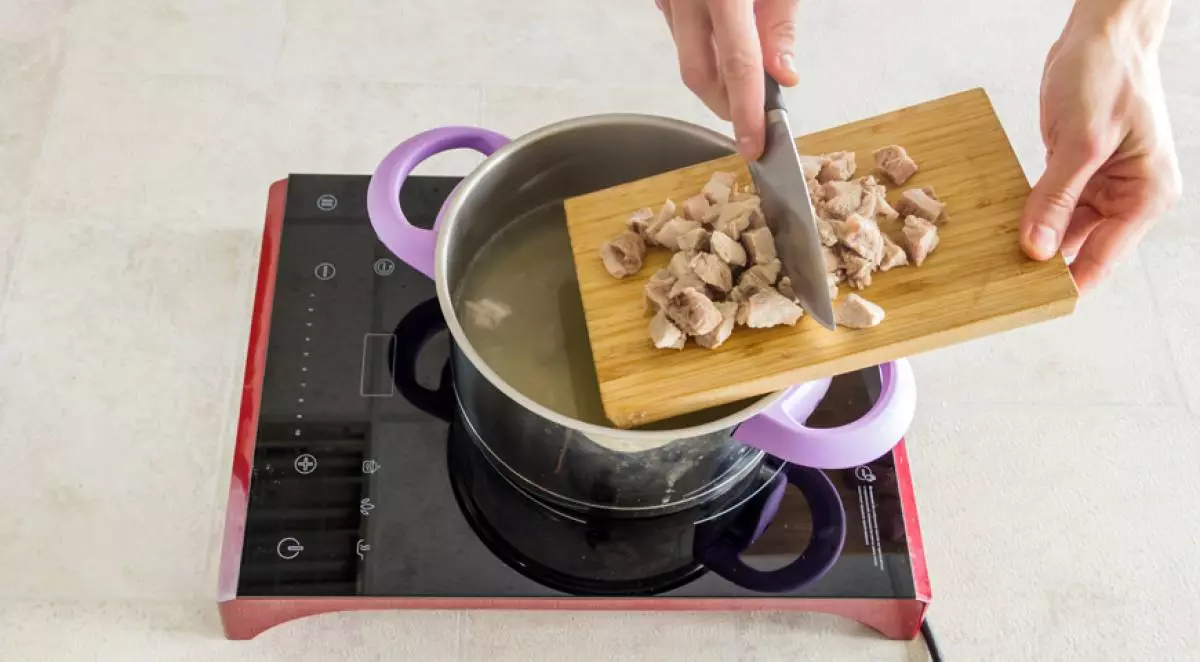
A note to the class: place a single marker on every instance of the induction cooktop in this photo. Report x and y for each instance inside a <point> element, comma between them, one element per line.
<point>346,495</point>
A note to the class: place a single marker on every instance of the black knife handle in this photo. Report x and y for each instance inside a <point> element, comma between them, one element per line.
<point>774,96</point>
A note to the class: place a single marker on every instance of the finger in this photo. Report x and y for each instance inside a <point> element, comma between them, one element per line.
<point>693,30</point>
<point>1054,198</point>
<point>739,56</point>
<point>1103,249</point>
<point>1083,221</point>
<point>777,32</point>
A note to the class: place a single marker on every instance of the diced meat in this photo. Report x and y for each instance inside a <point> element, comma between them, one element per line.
<point>893,255</point>
<point>713,271</point>
<point>919,238</point>
<point>664,334</point>
<point>765,274</point>
<point>719,187</point>
<point>689,281</point>
<point>895,164</point>
<point>785,288</point>
<point>664,215</point>
<point>668,236</point>
<point>858,270</point>
<point>623,255</point>
<point>717,337</point>
<point>767,308</point>
<point>815,191</point>
<point>757,218</point>
<point>842,198</point>
<point>487,313</point>
<point>833,281</point>
<point>730,251</point>
<point>811,165</point>
<point>921,203</point>
<point>882,206</point>
<point>857,313</point>
<point>833,261</point>
<point>693,312</point>
<point>760,245</point>
<point>657,291</point>
<point>861,236</point>
<point>695,207</point>
<point>826,232</point>
<point>736,208</point>
<point>680,264</point>
<point>694,241</point>
<point>640,220</point>
<point>838,166</point>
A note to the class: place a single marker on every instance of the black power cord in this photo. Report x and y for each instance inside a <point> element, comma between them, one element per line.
<point>930,642</point>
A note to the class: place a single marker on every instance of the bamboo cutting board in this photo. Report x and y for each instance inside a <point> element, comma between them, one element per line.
<point>977,282</point>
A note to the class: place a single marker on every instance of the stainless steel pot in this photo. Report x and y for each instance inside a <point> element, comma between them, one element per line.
<point>573,463</point>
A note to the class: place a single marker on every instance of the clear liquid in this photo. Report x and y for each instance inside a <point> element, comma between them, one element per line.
<point>541,348</point>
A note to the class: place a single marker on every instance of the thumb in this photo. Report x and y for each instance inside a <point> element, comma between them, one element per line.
<point>776,21</point>
<point>1053,200</point>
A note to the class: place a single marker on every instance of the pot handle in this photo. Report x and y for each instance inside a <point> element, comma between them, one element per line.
<point>823,550</point>
<point>780,431</point>
<point>420,325</point>
<point>416,246</point>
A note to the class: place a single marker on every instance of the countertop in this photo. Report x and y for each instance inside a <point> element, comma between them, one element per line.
<point>1055,466</point>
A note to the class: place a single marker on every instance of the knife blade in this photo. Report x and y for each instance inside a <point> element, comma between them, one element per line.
<point>779,179</point>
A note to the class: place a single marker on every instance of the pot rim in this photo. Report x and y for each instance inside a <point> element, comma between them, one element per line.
<point>449,217</point>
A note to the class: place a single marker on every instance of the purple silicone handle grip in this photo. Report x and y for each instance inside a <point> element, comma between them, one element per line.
<point>780,430</point>
<point>416,246</point>
<point>828,518</point>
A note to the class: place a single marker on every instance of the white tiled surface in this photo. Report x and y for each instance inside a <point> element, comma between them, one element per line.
<point>1055,465</point>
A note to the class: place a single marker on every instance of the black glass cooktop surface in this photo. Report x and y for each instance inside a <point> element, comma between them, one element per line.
<point>357,491</point>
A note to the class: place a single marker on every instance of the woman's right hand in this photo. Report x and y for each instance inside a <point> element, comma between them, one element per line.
<point>724,46</point>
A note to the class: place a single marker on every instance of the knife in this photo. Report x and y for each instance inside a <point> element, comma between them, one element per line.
<point>788,208</point>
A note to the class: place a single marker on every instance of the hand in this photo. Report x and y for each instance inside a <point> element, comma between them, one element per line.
<point>1111,168</point>
<point>724,47</point>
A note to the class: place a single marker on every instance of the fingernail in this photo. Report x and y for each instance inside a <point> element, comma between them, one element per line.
<point>1044,239</point>
<point>746,147</point>
<point>786,61</point>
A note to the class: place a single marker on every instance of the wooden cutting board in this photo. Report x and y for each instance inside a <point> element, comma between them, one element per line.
<point>977,282</point>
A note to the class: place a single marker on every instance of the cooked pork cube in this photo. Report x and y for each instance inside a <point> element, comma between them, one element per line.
<point>735,208</point>
<point>767,308</point>
<point>693,312</point>
<point>717,337</point>
<point>719,187</point>
<point>694,241</point>
<point>919,238</point>
<point>833,261</point>
<point>735,226</point>
<point>689,281</point>
<point>833,281</point>
<point>826,232</point>
<point>487,313</point>
<point>882,206</point>
<point>760,245</point>
<point>713,271</point>
<point>838,166</point>
<point>665,214</point>
<point>893,255</point>
<point>921,203</point>
<point>640,220</point>
<point>842,198</point>
<point>664,334</point>
<point>729,250</point>
<point>695,207</point>
<point>785,288</point>
<point>858,270</point>
<point>857,313</point>
<point>668,235</point>
<point>623,255</point>
<point>658,290</point>
<point>862,236</point>
<point>680,264</point>
<point>767,274</point>
<point>895,164</point>
<point>811,165</point>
